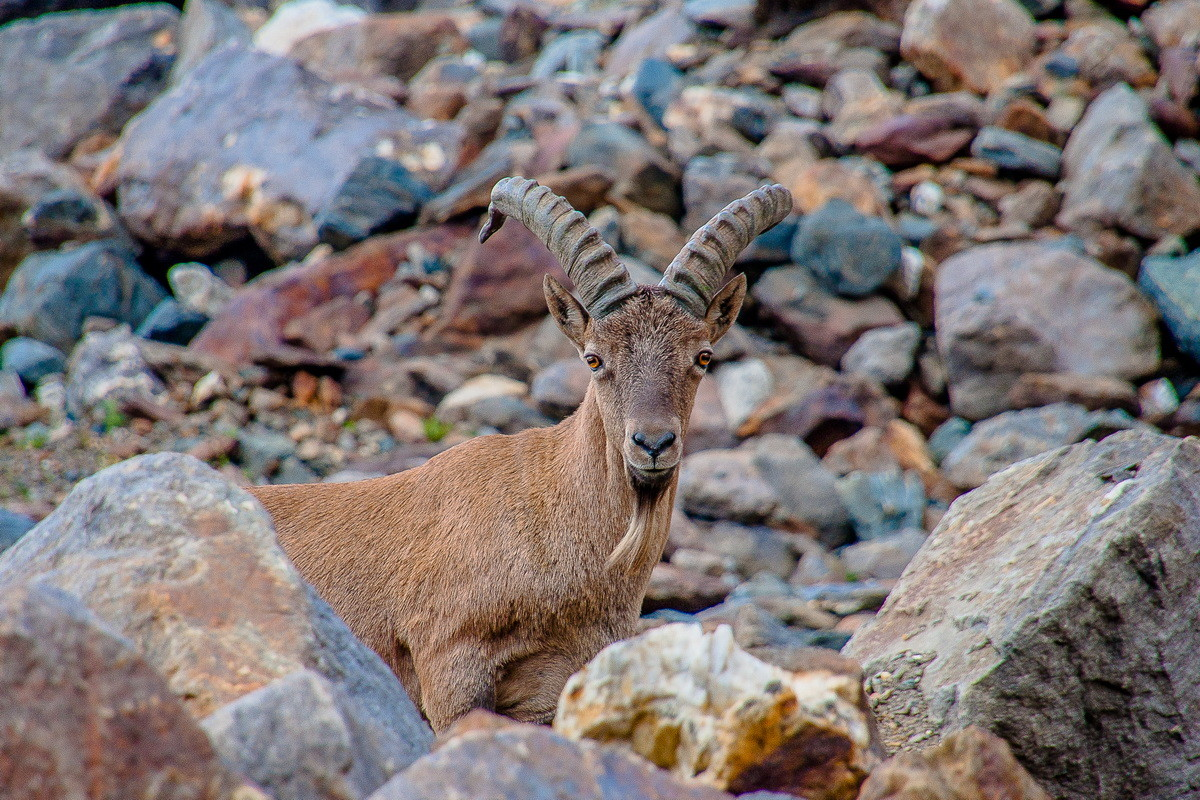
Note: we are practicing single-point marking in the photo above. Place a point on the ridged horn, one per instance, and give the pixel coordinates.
(698, 272)
(600, 279)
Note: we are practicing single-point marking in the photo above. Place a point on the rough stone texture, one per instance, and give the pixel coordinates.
(849, 252)
(970, 764)
(84, 716)
(1007, 309)
(1054, 607)
(884, 354)
(1013, 436)
(182, 561)
(303, 739)
(52, 293)
(972, 44)
(486, 756)
(1120, 172)
(700, 706)
(107, 374)
(380, 45)
(72, 75)
(192, 181)
(725, 484)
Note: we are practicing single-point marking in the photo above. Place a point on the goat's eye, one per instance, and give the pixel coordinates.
(593, 361)
(703, 359)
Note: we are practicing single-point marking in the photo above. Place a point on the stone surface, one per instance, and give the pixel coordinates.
(972, 44)
(725, 484)
(12, 527)
(640, 173)
(1007, 309)
(1119, 172)
(1052, 606)
(189, 181)
(53, 292)
(183, 562)
(970, 764)
(81, 73)
(883, 558)
(1013, 436)
(559, 388)
(1010, 150)
(395, 45)
(850, 253)
(171, 322)
(300, 737)
(1093, 392)
(1173, 284)
(484, 755)
(107, 378)
(700, 706)
(379, 195)
(884, 354)
(196, 287)
(882, 503)
(31, 359)
(85, 716)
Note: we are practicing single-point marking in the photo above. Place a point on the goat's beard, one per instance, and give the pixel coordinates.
(645, 522)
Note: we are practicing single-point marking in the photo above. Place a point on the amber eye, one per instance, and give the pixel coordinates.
(703, 359)
(593, 361)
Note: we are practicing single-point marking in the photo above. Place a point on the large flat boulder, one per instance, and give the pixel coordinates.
(1004, 310)
(1056, 607)
(81, 73)
(184, 563)
(85, 716)
(255, 144)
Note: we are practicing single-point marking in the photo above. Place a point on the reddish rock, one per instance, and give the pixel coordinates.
(393, 45)
(496, 287)
(1093, 392)
(814, 52)
(972, 44)
(1107, 55)
(814, 185)
(918, 136)
(682, 590)
(971, 764)
(827, 415)
(252, 326)
(85, 716)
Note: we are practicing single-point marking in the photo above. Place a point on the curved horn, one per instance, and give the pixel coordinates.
(698, 272)
(601, 281)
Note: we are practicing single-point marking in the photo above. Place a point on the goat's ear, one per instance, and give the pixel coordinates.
(724, 308)
(570, 315)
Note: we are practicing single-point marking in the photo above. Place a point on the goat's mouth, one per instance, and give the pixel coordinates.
(651, 478)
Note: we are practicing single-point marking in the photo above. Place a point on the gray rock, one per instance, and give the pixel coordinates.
(205, 26)
(197, 288)
(743, 386)
(884, 354)
(1173, 284)
(1056, 605)
(641, 174)
(1119, 172)
(261, 450)
(559, 388)
(379, 195)
(182, 561)
(1015, 151)
(882, 503)
(655, 85)
(946, 437)
(301, 737)
(850, 253)
(574, 51)
(12, 527)
(31, 359)
(883, 558)
(190, 180)
(1005, 439)
(52, 293)
(752, 549)
(806, 489)
(726, 484)
(73, 75)
(505, 414)
(107, 375)
(171, 322)
(1003, 310)
(69, 215)
(712, 182)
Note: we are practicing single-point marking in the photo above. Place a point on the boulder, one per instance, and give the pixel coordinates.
(294, 20)
(53, 292)
(698, 705)
(31, 359)
(970, 764)
(81, 73)
(1053, 606)
(816, 51)
(206, 25)
(640, 173)
(882, 503)
(171, 554)
(84, 715)
(559, 388)
(190, 181)
(395, 45)
(1173, 284)
(1006, 309)
(197, 288)
(850, 253)
(171, 322)
(1013, 436)
(378, 196)
(884, 354)
(107, 377)
(487, 756)
(1120, 172)
(971, 44)
(301, 738)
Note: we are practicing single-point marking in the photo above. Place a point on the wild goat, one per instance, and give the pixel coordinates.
(488, 575)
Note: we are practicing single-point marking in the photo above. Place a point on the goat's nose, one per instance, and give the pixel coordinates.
(654, 444)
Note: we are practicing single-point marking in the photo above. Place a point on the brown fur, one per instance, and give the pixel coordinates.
(488, 575)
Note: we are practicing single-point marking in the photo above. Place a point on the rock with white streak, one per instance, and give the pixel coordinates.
(698, 705)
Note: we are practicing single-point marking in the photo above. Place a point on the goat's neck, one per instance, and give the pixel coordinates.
(637, 523)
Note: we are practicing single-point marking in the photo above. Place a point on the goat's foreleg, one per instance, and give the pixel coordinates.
(455, 678)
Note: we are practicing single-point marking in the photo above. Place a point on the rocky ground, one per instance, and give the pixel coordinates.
(246, 231)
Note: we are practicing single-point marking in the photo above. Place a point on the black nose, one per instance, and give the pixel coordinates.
(654, 444)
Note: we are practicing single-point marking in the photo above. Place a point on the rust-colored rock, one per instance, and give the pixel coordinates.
(393, 45)
(252, 327)
(84, 716)
(971, 764)
(972, 44)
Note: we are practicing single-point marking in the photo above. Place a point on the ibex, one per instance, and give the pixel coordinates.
(486, 576)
